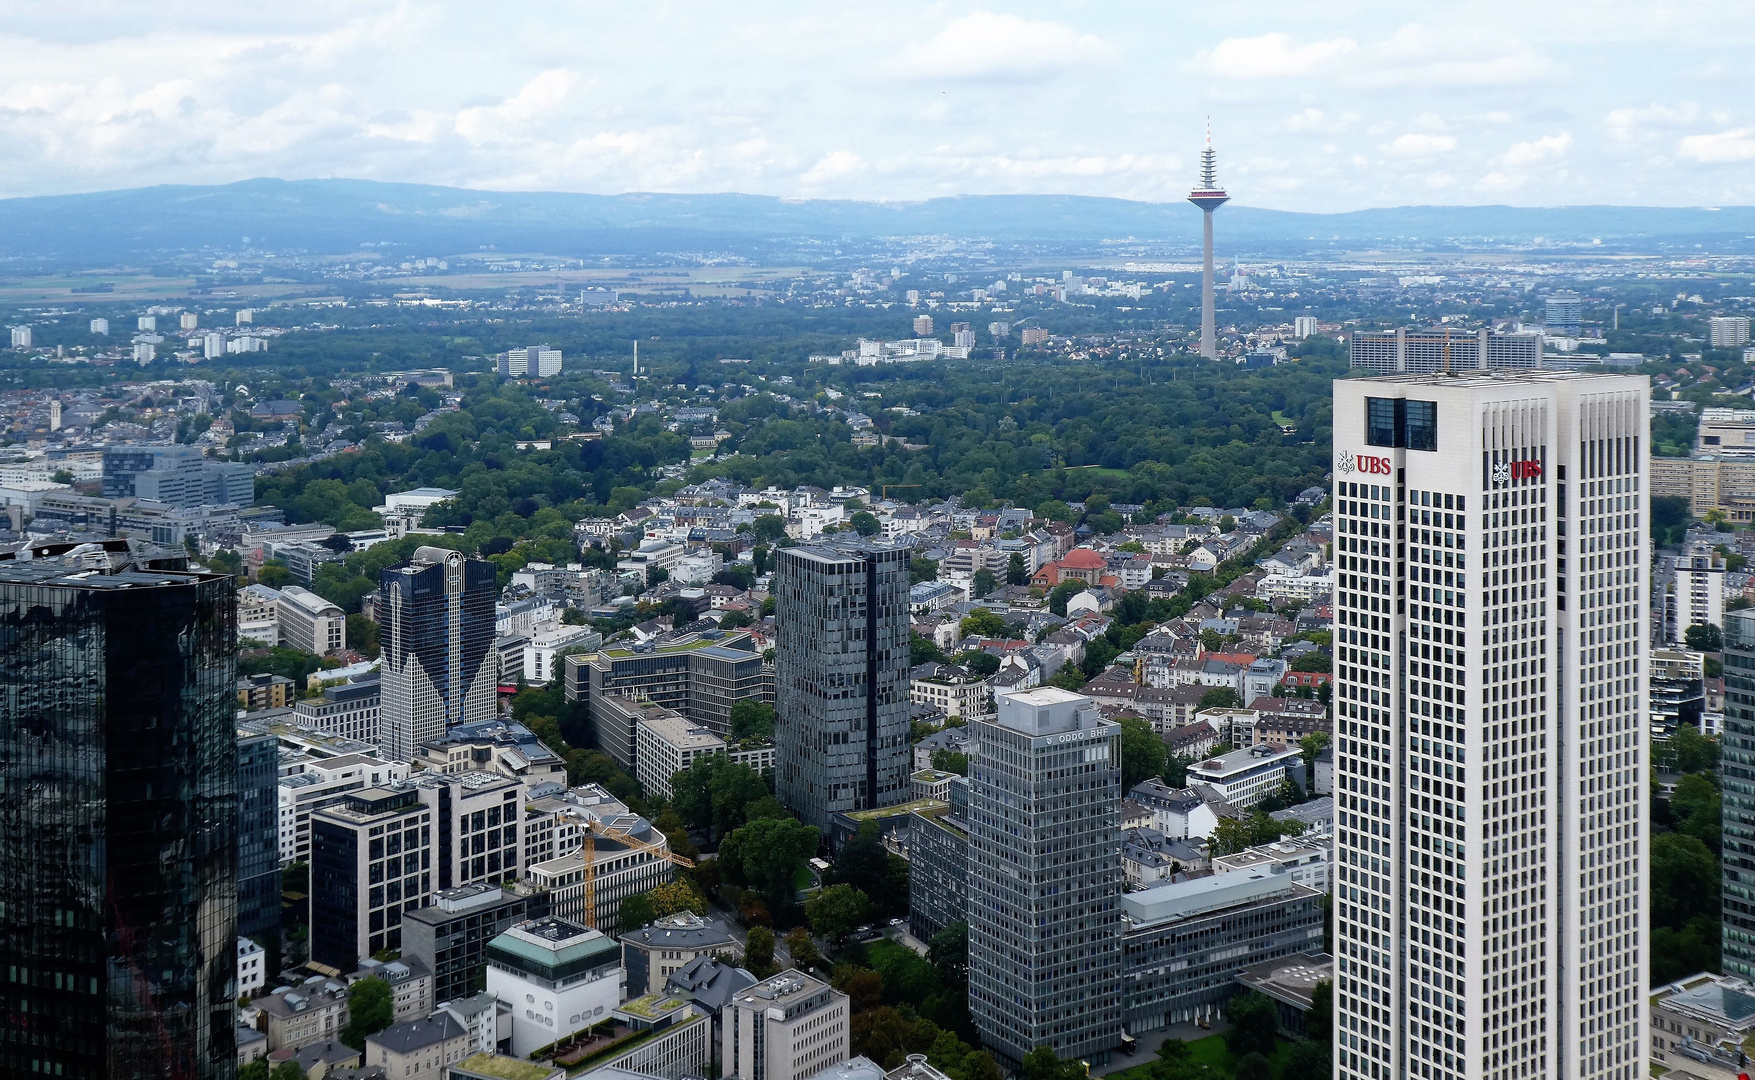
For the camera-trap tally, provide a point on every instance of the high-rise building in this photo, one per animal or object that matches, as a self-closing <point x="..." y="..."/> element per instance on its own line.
<point x="922" y="325"/>
<point x="1045" y="876"/>
<point x="259" y="836"/>
<point x="100" y="326"/>
<point x="437" y="612"/>
<point x="118" y="829"/>
<point x="180" y="475"/>
<point x="1728" y="331"/>
<point x="21" y="337"/>
<point x="1564" y="311"/>
<point x="841" y="678"/>
<point x="1393" y="352"/>
<point x="371" y="861"/>
<point x="534" y="360"/>
<point x="1492" y="896"/>
<point x="1303" y="326"/>
<point x="1737" y="779"/>
<point x="1695" y="596"/>
<point x="1209" y="196"/>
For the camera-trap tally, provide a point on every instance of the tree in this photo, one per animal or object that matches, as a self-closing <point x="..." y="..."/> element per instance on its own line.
<point x="1061" y="593"/>
<point x="921" y="568"/>
<point x="1069" y="677"/>
<point x="1254" y="1021"/>
<point x="289" y="1070"/>
<point x="1142" y="751"/>
<point x="1252" y="1066"/>
<point x="768" y="855"/>
<point x="921" y="650"/>
<point x="1684" y="880"/>
<point x="865" y="864"/>
<point x="1704" y="637"/>
<point x="362" y="634"/>
<point x="1696" y="809"/>
<point x="255" y="1070"/>
<point x="714" y="793"/>
<point x="752" y="719"/>
<point x="981" y="623"/>
<point x="951" y="761"/>
<point x="1320" y="1016"/>
<point x="803" y="949"/>
<point x="369" y="1011"/>
<point x="274" y="574"/>
<point x="1313" y="661"/>
<point x="758" y="952"/>
<point x="675" y="896"/>
<point x="635" y="912"/>
<point x="1055" y="510"/>
<point x="1016" y="572"/>
<point x="1220" y="697"/>
<point x="835" y="912"/>
<point x="1042" y="1064"/>
<point x="1694" y="752"/>
<point x="769" y="528"/>
<point x="864" y="523"/>
<point x="1312" y="746"/>
<point x="1230" y="836"/>
<point x="949" y="952"/>
<point x="979" y="662"/>
<point x="985" y="582"/>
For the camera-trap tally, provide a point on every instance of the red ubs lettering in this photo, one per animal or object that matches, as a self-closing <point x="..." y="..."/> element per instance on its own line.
<point x="1526" y="470"/>
<point x="1376" y="465"/>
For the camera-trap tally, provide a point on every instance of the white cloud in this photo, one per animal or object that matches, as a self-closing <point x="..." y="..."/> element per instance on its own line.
<point x="835" y="166"/>
<point x="539" y="97"/>
<point x="1630" y="124"/>
<point x="1315" y="120"/>
<point x="1735" y="145"/>
<point x="1271" y="56"/>
<point x="985" y="45"/>
<point x="1415" y="56"/>
<point x="1536" y="150"/>
<point x="1417" y="145"/>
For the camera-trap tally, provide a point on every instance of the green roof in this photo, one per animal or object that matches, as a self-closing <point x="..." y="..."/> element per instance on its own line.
<point x="894" y="811"/>
<point x="652" y="1006"/>
<point x="661" y="650"/>
<point x="504" y="1068"/>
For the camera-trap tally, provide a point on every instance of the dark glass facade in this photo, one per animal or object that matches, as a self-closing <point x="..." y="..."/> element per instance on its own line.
<point x="118" y="756"/>
<point x="437" y="611"/>
<point x="259" y="839"/>
<point x="1737" y="780"/>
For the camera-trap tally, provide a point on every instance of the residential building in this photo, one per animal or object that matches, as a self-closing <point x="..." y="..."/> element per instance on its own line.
<point x="539" y="361"/>
<point x="790" y="1027"/>
<point x="546" y="641"/>
<point x="252" y="967"/>
<point x="559" y="977"/>
<point x="310" y="623"/>
<point x="1489" y="629"/>
<point x="351" y="709"/>
<point x="410" y="982"/>
<point x="118" y="759"/>
<point x="952" y="690"/>
<point x="371" y="861"/>
<point x="668" y="743"/>
<point x="652" y="954"/>
<point x="1676" y="690"/>
<point x="1184" y="942"/>
<point x="259" y="836"/>
<point x="1728" y="331"/>
<point x="710" y="985"/>
<point x="259" y="614"/>
<point x="1391" y="352"/>
<point x="1697" y="595"/>
<point x="312" y="1012"/>
<point x="264" y="691"/>
<point x="841" y="678"/>
<point x="419" y="1049"/>
<point x="449" y="936"/>
<point x="437" y="612"/>
<point x="1246" y="777"/>
<point x="1191" y="812"/>
<point x="1044" y="872"/>
<point x="481" y="1014"/>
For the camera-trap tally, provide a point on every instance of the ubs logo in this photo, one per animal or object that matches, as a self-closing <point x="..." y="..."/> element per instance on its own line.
<point x="1506" y="471"/>
<point x="1365" y="463"/>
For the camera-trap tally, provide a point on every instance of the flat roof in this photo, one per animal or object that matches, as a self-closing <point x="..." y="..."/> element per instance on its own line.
<point x="1198" y="896"/>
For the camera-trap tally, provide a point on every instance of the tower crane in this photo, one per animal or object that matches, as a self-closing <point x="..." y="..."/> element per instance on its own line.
<point x="591" y="828"/>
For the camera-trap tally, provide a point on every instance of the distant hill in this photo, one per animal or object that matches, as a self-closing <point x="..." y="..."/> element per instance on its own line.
<point x="334" y="216"/>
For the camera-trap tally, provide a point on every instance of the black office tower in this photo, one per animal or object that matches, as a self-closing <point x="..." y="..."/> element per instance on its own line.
<point x="259" y="839"/>
<point x="437" y="611"/>
<point x="118" y="825"/>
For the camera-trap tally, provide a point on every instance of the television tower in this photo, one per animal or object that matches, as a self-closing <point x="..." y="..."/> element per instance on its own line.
<point x="1209" y="196"/>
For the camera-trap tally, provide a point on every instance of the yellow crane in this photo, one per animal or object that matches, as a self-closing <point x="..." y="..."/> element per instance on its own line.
<point x="592" y="828"/>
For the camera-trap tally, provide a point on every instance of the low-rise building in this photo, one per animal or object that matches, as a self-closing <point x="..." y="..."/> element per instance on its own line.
<point x="789" y="1027"/>
<point x="259" y="615"/>
<point x="952" y="690"/>
<point x="1246" y="777"/>
<point x="310" y="623"/>
<point x="558" y="976"/>
<point x="667" y="743"/>
<point x="1184" y="942"/>
<point x="312" y="1012"/>
<point x="1290" y="983"/>
<point x="349" y="709"/>
<point x="264" y="691"/>
<point x="252" y="967"/>
<point x="1191" y="812"/>
<point x="1703" y="1019"/>
<point x="419" y="1049"/>
<point x="1304" y="860"/>
<point x="410" y="981"/>
<point x="652" y="954"/>
<point x="710" y="985"/>
<point x="450" y="935"/>
<point x="680" y="1044"/>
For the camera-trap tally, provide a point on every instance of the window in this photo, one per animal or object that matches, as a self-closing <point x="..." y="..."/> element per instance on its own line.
<point x="1421" y="425"/>
<point x="1380" y="421"/>
<point x="1403" y="423"/>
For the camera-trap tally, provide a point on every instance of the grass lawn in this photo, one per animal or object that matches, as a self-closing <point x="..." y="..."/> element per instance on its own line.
<point x="1208" y="1051"/>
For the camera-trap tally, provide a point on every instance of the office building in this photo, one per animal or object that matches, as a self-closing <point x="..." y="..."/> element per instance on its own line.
<point x="1728" y="331"/>
<point x="349" y="709"/>
<point x="181" y="476"/>
<point x="841" y="678"/>
<point x="1563" y="312"/>
<point x="371" y="861"/>
<point x="1726" y="432"/>
<point x="1245" y="777"/>
<point x="667" y="744"/>
<point x="1737" y="785"/>
<point x="1491" y="751"/>
<point x="259" y="837"/>
<point x="449" y="936"/>
<point x="652" y="954"/>
<point x="1709" y="482"/>
<point x="1044" y="876"/>
<point x="1183" y="942"/>
<point x="618" y="871"/>
<point x="698" y="676"/>
<point x="308" y="784"/>
<point x="476" y="829"/>
<point x="938" y="866"/>
<point x="1696" y="592"/>
<point x="1403" y="350"/>
<point x="310" y="623"/>
<point x="679" y="1044"/>
<point x="259" y="615"/>
<point x="501" y="745"/>
<point x="1703" y="1020"/>
<point x="790" y="1027"/>
<point x="118" y="759"/>
<point x="437" y="616"/>
<point x="558" y="976"/>
<point x="537" y="361"/>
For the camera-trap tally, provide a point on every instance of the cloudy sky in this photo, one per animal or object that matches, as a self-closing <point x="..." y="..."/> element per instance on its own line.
<point x="1319" y="105"/>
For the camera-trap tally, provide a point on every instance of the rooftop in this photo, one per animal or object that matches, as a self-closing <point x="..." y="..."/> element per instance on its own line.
<point x="500" y="1067"/>
<point x="1291" y="979"/>
<point x="1187" y="899"/>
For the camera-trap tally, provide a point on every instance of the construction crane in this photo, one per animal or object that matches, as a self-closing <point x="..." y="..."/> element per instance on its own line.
<point x="592" y="828"/>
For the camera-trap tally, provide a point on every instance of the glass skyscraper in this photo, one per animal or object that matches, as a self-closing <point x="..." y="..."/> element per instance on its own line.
<point x="841" y="678"/>
<point x="1045" y="876"/>
<point x="118" y="759"/>
<point x="259" y="838"/>
<point x="1737" y="782"/>
<point x="437" y="612"/>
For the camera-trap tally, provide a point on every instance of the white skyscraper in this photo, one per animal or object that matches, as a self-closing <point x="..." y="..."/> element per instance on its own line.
<point x="1491" y="906"/>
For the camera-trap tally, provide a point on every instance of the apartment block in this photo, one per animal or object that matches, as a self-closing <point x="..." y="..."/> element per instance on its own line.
<point x="790" y="1027"/>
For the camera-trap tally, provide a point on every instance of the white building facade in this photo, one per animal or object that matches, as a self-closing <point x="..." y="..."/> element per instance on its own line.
<point x="1491" y="899"/>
